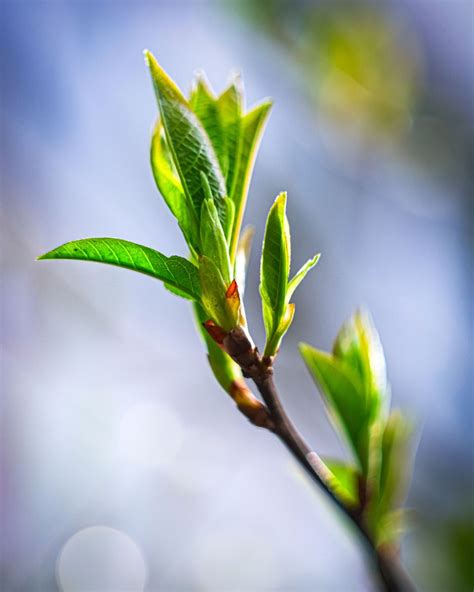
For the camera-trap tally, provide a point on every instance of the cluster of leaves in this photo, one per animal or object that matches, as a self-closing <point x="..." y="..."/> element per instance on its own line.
<point x="353" y="382"/>
<point x="202" y="154"/>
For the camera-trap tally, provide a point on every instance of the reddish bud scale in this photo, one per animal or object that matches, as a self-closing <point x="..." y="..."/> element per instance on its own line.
<point x="217" y="333"/>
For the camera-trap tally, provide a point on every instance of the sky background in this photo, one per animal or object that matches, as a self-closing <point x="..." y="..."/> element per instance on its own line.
<point x="123" y="464"/>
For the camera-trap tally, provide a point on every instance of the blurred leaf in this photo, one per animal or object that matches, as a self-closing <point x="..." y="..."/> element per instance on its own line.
<point x="395" y="471"/>
<point x="242" y="257"/>
<point x="344" y="480"/>
<point x="179" y="274"/>
<point x="170" y="187"/>
<point x="189" y="144"/>
<point x="274" y="271"/>
<point x="252" y="129"/>
<point x="358" y="344"/>
<point x="392" y="526"/>
<point x="300" y="275"/>
<point x="213" y="240"/>
<point x="344" y="395"/>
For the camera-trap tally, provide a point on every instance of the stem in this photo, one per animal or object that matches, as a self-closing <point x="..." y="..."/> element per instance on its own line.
<point x="385" y="562"/>
<point x="391" y="574"/>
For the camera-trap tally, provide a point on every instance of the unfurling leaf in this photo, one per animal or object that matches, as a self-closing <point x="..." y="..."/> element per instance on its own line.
<point x="213" y="242"/>
<point x="395" y="470"/>
<point x="190" y="147"/>
<point x="179" y="274"/>
<point x="274" y="271"/>
<point x="252" y="127"/>
<point x="300" y="275"/>
<point x="358" y="345"/>
<point x="275" y="289"/>
<point x="344" y="395"/>
<point x="344" y="480"/>
<point x="214" y="295"/>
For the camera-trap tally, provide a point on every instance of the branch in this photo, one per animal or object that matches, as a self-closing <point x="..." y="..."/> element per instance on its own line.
<point x="392" y="576"/>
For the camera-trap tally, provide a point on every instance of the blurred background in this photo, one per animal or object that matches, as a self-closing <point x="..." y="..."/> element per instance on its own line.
<point x="124" y="466"/>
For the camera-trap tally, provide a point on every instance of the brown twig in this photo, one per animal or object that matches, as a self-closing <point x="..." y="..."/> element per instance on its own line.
<point x="390" y="572"/>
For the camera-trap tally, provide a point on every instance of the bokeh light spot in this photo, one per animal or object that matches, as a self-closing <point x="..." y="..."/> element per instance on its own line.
<point x="100" y="559"/>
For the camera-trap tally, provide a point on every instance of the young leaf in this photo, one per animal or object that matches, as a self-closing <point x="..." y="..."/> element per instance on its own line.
<point x="213" y="240"/>
<point x="344" y="480"/>
<point x="252" y="127"/>
<point x="395" y="466"/>
<point x="170" y="187"/>
<point x="204" y="104"/>
<point x="344" y="395"/>
<point x="242" y="257"/>
<point x="223" y="367"/>
<point x="178" y="273"/>
<point x="189" y="144"/>
<point x="214" y="289"/>
<point x="300" y="275"/>
<point x="358" y="344"/>
<point x="274" y="270"/>
<point x="229" y="105"/>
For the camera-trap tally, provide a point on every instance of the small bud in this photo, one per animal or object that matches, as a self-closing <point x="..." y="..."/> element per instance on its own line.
<point x="232" y="297"/>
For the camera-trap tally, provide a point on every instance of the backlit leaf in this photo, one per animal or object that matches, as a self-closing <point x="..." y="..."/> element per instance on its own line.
<point x="189" y="144"/>
<point x="178" y="273"/>
<point x="274" y="270"/>
<point x="344" y="396"/>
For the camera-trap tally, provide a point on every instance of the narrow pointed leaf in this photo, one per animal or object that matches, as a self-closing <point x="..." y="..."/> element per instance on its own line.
<point x="177" y="272"/>
<point x="252" y="127"/>
<point x="229" y="218"/>
<point x="300" y="275"/>
<point x="274" y="269"/>
<point x="344" y="396"/>
<point x="204" y="104"/>
<point x="170" y="187"/>
<point x="213" y="240"/>
<point x="189" y="144"/>
<point x="229" y="106"/>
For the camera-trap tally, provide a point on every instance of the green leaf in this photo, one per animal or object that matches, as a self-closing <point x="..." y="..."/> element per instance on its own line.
<point x="300" y="275"/>
<point x="344" y="480"/>
<point x="213" y="289"/>
<point x="229" y="218"/>
<point x="395" y="465"/>
<point x="358" y="344"/>
<point x="170" y="187"/>
<point x="252" y="127"/>
<point x="344" y="396"/>
<point x="242" y="257"/>
<point x="225" y="370"/>
<point x="189" y="144"/>
<point x="229" y="105"/>
<point x="274" y="270"/>
<point x="178" y="273"/>
<point x="213" y="240"/>
<point x="204" y="104"/>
